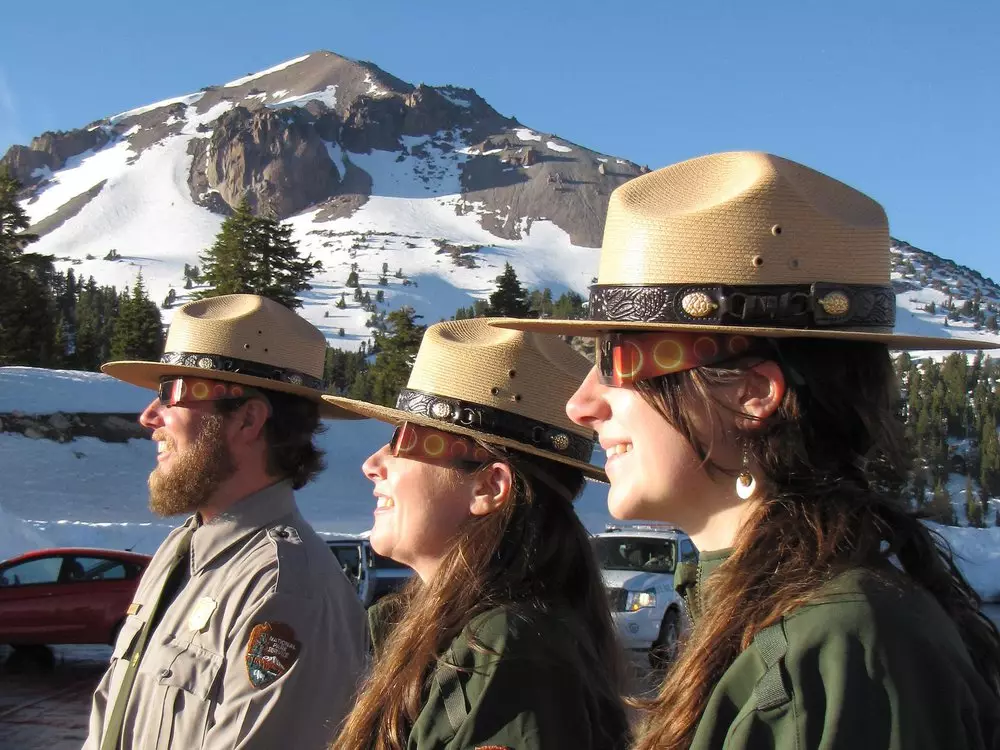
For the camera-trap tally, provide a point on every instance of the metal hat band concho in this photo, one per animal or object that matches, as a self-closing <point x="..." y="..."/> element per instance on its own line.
<point x="819" y="305"/>
<point x="242" y="367"/>
<point x="496" y="422"/>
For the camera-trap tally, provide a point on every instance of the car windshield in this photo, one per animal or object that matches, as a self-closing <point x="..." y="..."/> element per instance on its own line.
<point x="636" y="553"/>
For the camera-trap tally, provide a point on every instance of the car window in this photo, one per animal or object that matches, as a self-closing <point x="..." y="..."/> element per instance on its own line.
<point x="636" y="553"/>
<point x="39" y="571"/>
<point x="80" y="568"/>
<point x="688" y="552"/>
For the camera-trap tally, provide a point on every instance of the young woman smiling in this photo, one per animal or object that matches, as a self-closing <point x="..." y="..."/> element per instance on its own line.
<point x="744" y="391"/>
<point x="504" y="639"/>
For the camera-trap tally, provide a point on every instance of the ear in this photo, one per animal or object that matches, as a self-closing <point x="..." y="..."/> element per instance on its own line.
<point x="250" y="419"/>
<point x="763" y="391"/>
<point x="492" y="488"/>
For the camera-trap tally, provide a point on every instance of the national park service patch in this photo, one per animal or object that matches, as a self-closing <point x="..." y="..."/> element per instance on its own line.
<point x="271" y="651"/>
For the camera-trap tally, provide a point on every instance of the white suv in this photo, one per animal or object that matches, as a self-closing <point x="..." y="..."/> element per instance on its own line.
<point x="638" y="563"/>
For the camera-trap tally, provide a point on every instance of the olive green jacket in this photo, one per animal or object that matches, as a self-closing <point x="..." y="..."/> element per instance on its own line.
<point x="868" y="665"/>
<point x="512" y="681"/>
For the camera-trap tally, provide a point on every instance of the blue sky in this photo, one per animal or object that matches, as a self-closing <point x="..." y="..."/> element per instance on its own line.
<point x="899" y="99"/>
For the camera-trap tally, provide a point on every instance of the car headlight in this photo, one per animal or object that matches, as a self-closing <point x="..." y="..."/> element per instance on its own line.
<point x="637" y="600"/>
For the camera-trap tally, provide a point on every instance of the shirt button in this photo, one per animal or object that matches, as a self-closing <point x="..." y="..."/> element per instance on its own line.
<point x="165" y="673"/>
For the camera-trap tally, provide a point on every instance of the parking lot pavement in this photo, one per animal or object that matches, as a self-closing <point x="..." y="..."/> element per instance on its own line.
<point x="45" y="695"/>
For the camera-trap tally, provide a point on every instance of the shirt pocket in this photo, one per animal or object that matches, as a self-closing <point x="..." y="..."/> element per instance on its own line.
<point x="189" y="684"/>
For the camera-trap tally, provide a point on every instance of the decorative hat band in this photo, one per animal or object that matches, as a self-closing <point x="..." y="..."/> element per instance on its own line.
<point x="242" y="367"/>
<point x="819" y="305"/>
<point x="495" y="422"/>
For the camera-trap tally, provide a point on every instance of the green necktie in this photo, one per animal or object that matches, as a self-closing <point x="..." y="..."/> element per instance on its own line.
<point x="113" y="732"/>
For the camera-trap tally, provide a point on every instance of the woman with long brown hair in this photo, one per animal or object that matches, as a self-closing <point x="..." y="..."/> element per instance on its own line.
<point x="744" y="391"/>
<point x="504" y="638"/>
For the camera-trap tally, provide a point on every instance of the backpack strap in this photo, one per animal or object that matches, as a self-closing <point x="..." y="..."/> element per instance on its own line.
<point x="770" y="690"/>
<point x="450" y="685"/>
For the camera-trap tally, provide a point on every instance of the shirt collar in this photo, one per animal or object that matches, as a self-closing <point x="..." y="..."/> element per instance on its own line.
<point x="241" y="520"/>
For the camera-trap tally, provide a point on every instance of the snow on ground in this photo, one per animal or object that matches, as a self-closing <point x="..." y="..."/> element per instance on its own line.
<point x="558" y="147"/>
<point x="31" y="390"/>
<point x="261" y="74"/>
<point x="327" y="96"/>
<point x="187" y="99"/>
<point x="527" y="135"/>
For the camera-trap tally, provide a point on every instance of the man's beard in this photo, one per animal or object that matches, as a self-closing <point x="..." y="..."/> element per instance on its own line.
<point x="195" y="474"/>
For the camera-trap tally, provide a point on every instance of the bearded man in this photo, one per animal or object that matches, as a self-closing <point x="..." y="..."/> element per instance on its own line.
<point x="244" y="632"/>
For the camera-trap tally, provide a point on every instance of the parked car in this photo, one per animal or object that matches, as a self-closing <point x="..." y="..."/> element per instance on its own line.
<point x="638" y="562"/>
<point x="373" y="575"/>
<point x="67" y="595"/>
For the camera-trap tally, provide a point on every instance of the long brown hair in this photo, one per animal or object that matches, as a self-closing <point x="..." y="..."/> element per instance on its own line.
<point x="832" y="462"/>
<point x="532" y="554"/>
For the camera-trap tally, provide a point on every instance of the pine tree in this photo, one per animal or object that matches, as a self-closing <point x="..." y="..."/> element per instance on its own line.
<point x="27" y="309"/>
<point x="256" y="255"/>
<point x="510" y="300"/>
<point x="397" y="348"/>
<point x="138" y="331"/>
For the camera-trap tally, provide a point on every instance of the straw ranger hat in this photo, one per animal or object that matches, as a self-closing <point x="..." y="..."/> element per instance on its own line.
<point x="745" y="242"/>
<point x="506" y="388"/>
<point x="239" y="338"/>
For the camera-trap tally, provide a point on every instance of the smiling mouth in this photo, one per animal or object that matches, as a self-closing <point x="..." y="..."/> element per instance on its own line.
<point x="384" y="503"/>
<point x="617" y="450"/>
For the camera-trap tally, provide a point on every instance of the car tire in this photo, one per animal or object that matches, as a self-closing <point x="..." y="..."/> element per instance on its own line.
<point x="664" y="649"/>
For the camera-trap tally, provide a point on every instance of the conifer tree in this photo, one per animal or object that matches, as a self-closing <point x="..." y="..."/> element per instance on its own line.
<point x="256" y="255"/>
<point x="397" y="348"/>
<point x="138" y="331"/>
<point x="27" y="309"/>
<point x="510" y="299"/>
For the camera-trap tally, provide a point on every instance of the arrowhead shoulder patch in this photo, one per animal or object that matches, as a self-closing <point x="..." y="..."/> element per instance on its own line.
<point x="271" y="651"/>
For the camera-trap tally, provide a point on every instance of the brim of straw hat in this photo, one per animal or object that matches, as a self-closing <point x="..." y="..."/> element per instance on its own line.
<point x="900" y="342"/>
<point x="148" y="375"/>
<point x="398" y="416"/>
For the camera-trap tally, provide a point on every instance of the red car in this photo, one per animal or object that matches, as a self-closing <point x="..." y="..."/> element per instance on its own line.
<point x="67" y="595"/>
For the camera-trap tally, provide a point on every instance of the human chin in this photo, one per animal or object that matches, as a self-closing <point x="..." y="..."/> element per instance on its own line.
<point x="383" y="534"/>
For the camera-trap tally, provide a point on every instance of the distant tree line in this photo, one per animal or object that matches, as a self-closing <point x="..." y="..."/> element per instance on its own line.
<point x="951" y="410"/>
<point x="53" y="319"/>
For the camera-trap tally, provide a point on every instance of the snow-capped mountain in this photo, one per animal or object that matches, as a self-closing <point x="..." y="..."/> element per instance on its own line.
<point x="428" y="183"/>
<point x="428" y="189"/>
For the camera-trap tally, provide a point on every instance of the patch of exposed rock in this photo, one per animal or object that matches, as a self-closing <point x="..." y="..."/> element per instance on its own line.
<point x="511" y="183"/>
<point x="64" y="428"/>
<point x="51" y="150"/>
<point x="275" y="159"/>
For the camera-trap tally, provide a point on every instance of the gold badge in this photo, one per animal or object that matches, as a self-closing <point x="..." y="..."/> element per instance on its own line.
<point x="698" y="304"/>
<point x="133" y="608"/>
<point x="202" y="613"/>
<point x="835" y="303"/>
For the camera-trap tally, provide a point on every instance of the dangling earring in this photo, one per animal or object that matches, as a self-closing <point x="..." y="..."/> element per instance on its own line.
<point x="746" y="484"/>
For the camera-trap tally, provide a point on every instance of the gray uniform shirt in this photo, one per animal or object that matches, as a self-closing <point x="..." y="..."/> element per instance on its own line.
<point x="262" y="647"/>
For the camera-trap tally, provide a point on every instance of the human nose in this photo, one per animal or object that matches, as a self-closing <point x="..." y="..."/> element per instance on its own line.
<point x="587" y="406"/>
<point x="150" y="416"/>
<point x="374" y="465"/>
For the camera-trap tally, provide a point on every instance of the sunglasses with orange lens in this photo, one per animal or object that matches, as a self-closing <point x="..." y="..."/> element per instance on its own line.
<point x="174" y="391"/>
<point x="411" y="440"/>
<point x="624" y="358"/>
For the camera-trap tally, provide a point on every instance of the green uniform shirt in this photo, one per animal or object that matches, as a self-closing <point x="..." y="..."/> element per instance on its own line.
<point x="869" y="665"/>
<point x="515" y="682"/>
